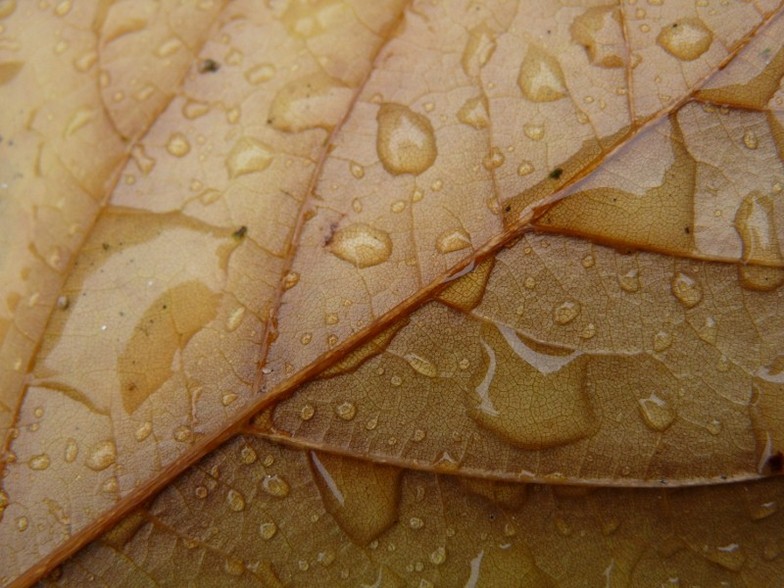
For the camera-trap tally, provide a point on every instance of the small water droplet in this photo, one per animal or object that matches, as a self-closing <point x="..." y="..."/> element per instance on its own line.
<point x="71" y="450"/>
<point x="398" y="206"/>
<point x="101" y="456"/>
<point x="662" y="341"/>
<point x="356" y="170"/>
<point x="143" y="431"/>
<point x="201" y="492"/>
<point x="534" y="132"/>
<point x="541" y="78"/>
<point x="686" y="289"/>
<point x="178" y="145"/>
<point x="39" y="462"/>
<point x="193" y="109"/>
<point x="248" y="455"/>
<point x="248" y="155"/>
<point x="235" y="318"/>
<point x="566" y="312"/>
<point x="183" y="434"/>
<point x="656" y="412"/>
<point x="258" y="74"/>
<point x="307" y="412"/>
<point x="169" y="47"/>
<point x="268" y="530"/>
<point x="438" y="556"/>
<point x="630" y="281"/>
<point x="421" y="365"/>
<point x="416" y="523"/>
<point x="750" y="139"/>
<point x="228" y="398"/>
<point x="361" y="245"/>
<point x="419" y="435"/>
<point x="474" y="112"/>
<point x="685" y="39"/>
<point x="290" y="280"/>
<point x="529" y="283"/>
<point x="478" y="49"/>
<point x="494" y="159"/>
<point x="346" y="410"/>
<point x="588" y="261"/>
<point x="713" y="426"/>
<point x="315" y="101"/>
<point x="405" y="141"/>
<point x="453" y="240"/>
<point x="599" y="31"/>
<point x="709" y="331"/>
<point x="755" y="223"/>
<point x="274" y="485"/>
<point x="525" y="168"/>
<point x="235" y="500"/>
<point x="22" y="524"/>
<point x="234" y="566"/>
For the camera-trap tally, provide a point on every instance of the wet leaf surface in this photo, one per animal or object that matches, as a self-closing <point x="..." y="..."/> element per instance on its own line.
<point x="390" y="293"/>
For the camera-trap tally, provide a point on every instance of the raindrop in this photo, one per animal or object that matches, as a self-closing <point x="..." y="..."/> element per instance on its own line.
<point x="235" y="500"/>
<point x="267" y="530"/>
<point x="361" y="245"/>
<point x="478" y="50"/>
<point x="421" y="365"/>
<point x="474" y="112"/>
<point x="453" y="240"/>
<point x="686" y="289"/>
<point x="541" y="78"/>
<point x="656" y="412"/>
<point x="258" y="74"/>
<point x="406" y="141"/>
<point x="566" y="312"/>
<point x="178" y="145"/>
<point x="71" y="450"/>
<point x="248" y="155"/>
<point x="630" y="281"/>
<point x="101" y="456"/>
<point x="685" y="39"/>
<point x="346" y="410"/>
<point x="438" y="556"/>
<point x="274" y="485"/>
<point x="39" y="462"/>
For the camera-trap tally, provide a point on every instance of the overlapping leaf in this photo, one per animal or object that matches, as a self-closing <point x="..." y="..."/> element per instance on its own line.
<point x="294" y="210"/>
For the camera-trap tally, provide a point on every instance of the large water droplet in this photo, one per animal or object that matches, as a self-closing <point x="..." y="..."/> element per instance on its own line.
<point x="178" y="145"/>
<point x="362" y="497"/>
<point x="247" y="156"/>
<point x="541" y="78"/>
<point x="361" y="245"/>
<point x="315" y="101"/>
<point x="656" y="412"/>
<point x="686" y="289"/>
<point x="101" y="456"/>
<point x="453" y="240"/>
<point x="474" y="112"/>
<point x="755" y="223"/>
<point x="598" y="30"/>
<point x="235" y="500"/>
<point x="478" y="50"/>
<point x="39" y="462"/>
<point x="406" y="142"/>
<point x="274" y="485"/>
<point x="421" y="365"/>
<point x="566" y="312"/>
<point x="685" y="39"/>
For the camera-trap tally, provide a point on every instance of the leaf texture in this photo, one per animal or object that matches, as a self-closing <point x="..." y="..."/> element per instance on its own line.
<point x="437" y="292"/>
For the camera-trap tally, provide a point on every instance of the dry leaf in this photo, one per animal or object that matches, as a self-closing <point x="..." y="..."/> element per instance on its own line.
<point x="389" y="293"/>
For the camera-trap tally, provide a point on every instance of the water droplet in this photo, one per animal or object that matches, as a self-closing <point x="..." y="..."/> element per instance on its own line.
<point x="22" y="524"/>
<point x="416" y="523"/>
<point x="234" y="566"/>
<point x="248" y="155"/>
<point x="713" y="426"/>
<point x="685" y="39"/>
<point x="258" y="74"/>
<point x="756" y="226"/>
<point x="274" y="485"/>
<point x="709" y="331"/>
<point x="686" y="289"/>
<point x="235" y="318"/>
<point x="169" y="47"/>
<point x="290" y="280"/>
<point x="39" y="462"/>
<point x="750" y="139"/>
<point x="541" y="78"/>
<point x="630" y="281"/>
<point x="453" y="240"/>
<point x="398" y="206"/>
<point x="71" y="450"/>
<point x="268" y="530"/>
<point x="307" y="412"/>
<point x="356" y="170"/>
<point x="421" y="365"/>
<point x="589" y="331"/>
<point x="478" y="50"/>
<point x="566" y="312"/>
<point x="534" y="132"/>
<point x="101" y="456"/>
<point x="599" y="31"/>
<point x="728" y="556"/>
<point x="78" y="120"/>
<point x="178" y="145"/>
<point x="193" y="109"/>
<point x="315" y="101"/>
<point x="661" y="341"/>
<point x="228" y="398"/>
<point x="361" y="245"/>
<point x="201" y="492"/>
<point x="588" y="261"/>
<point x="248" y="455"/>
<point x="529" y="283"/>
<point x="494" y="159"/>
<point x="525" y="168"/>
<point x="183" y="434"/>
<point x="406" y="142"/>
<point x="346" y="411"/>
<point x="143" y="431"/>
<point x="419" y="435"/>
<point x="656" y="412"/>
<point x="235" y="500"/>
<point x="474" y="112"/>
<point x="362" y="498"/>
<point x="438" y="556"/>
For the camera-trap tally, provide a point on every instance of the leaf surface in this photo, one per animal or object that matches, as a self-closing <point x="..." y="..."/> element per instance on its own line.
<point x="526" y="242"/>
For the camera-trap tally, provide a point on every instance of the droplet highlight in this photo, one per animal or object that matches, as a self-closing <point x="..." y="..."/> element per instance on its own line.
<point x="405" y="142"/>
<point x="361" y="245"/>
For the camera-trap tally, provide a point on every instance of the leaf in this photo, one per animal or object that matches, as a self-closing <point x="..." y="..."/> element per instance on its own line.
<point x="439" y="252"/>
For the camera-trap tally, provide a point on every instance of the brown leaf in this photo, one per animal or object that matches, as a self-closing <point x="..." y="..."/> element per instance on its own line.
<point x="515" y="242"/>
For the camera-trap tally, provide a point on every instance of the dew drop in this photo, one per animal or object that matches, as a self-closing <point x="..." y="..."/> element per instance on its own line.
<point x="419" y="435"/>
<point x="494" y="159"/>
<point x="756" y="226"/>
<point x="416" y="523"/>
<point x="361" y="245"/>
<point x="274" y="485"/>
<point x="258" y="74"/>
<point x="101" y="456"/>
<point x="630" y="281"/>
<point x="356" y="170"/>
<point x="656" y="413"/>
<point x="71" y="450"/>
<point x="421" y="365"/>
<point x="143" y="431"/>
<point x="193" y="109"/>
<point x="183" y="434"/>
<point x="525" y="168"/>
<point x="438" y="556"/>
<point x="22" y="524"/>
<point x="168" y="47"/>
<point x="234" y="566"/>
<point x="474" y="112"/>
<point x="566" y="312"/>
<point x="307" y="412"/>
<point x="686" y="289"/>
<point x="478" y="50"/>
<point x="529" y="283"/>
<point x="589" y="331"/>
<point x="228" y="398"/>
<point x="685" y="39"/>
<point x="346" y="410"/>
<point x="235" y="500"/>
<point x="713" y="426"/>
<point x="201" y="492"/>
<point x="315" y="101"/>
<point x="248" y="155"/>
<point x="405" y="142"/>
<point x="598" y="30"/>
<point x="534" y="132"/>
<point x="178" y="145"/>
<point x="268" y="530"/>
<point x="709" y="331"/>
<point x="248" y="455"/>
<point x="750" y="140"/>
<point x="39" y="462"/>
<point x="78" y="120"/>
<point x="541" y="78"/>
<point x="290" y="280"/>
<point x="235" y="318"/>
<point x="453" y="240"/>
<point x="588" y="261"/>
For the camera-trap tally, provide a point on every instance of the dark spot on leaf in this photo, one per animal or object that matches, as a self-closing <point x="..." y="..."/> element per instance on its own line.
<point x="776" y="462"/>
<point x="687" y="230"/>
<point x="508" y="208"/>
<point x="240" y="233"/>
<point x="208" y="66"/>
<point x="556" y="173"/>
<point x="105" y="246"/>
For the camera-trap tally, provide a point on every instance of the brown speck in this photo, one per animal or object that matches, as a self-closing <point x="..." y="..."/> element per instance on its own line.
<point x="208" y="66"/>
